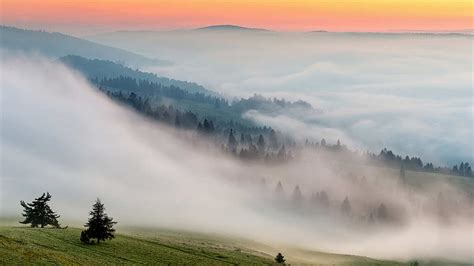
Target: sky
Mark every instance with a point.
(84, 17)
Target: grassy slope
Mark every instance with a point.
(28, 245)
(61, 246)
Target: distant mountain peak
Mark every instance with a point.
(228, 27)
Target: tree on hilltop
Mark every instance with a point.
(99, 226)
(280, 259)
(38, 212)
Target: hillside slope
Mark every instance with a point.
(96, 68)
(54, 44)
(153, 246)
(53, 246)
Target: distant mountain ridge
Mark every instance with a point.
(228, 27)
(54, 44)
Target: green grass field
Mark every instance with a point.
(20, 245)
(23, 245)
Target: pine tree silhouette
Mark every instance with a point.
(232, 143)
(38, 213)
(346, 206)
(100, 225)
(280, 258)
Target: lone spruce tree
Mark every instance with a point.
(280, 259)
(38, 212)
(99, 226)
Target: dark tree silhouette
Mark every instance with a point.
(38, 212)
(100, 225)
(85, 237)
(280, 259)
(273, 140)
(323, 143)
(232, 142)
(282, 153)
(297, 197)
(346, 206)
(324, 199)
(261, 144)
(279, 189)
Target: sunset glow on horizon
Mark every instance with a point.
(286, 15)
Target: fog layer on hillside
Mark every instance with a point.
(60, 135)
(409, 92)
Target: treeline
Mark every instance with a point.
(321, 203)
(190, 106)
(264, 143)
(464, 169)
(352, 208)
(179, 118)
(156, 91)
(251, 143)
(388, 158)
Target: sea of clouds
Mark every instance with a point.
(411, 93)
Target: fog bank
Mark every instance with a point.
(411, 93)
(60, 135)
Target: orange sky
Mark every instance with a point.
(293, 15)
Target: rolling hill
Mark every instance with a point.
(53, 44)
(96, 68)
(228, 28)
(163, 247)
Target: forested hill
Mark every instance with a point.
(170, 101)
(182, 95)
(54, 45)
(100, 69)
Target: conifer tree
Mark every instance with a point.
(279, 188)
(38, 212)
(232, 143)
(177, 121)
(346, 206)
(297, 196)
(273, 140)
(100, 225)
(323, 143)
(324, 198)
(280, 259)
(261, 144)
(279, 192)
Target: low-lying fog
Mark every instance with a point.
(410, 93)
(60, 135)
